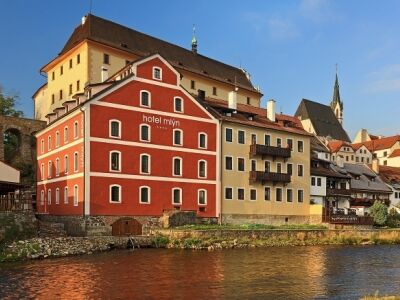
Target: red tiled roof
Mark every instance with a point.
(380, 144)
(395, 153)
(335, 146)
(389, 174)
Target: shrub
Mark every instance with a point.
(160, 241)
(379, 212)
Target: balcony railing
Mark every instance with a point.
(15, 203)
(347, 219)
(259, 176)
(338, 192)
(263, 150)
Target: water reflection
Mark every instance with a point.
(268, 273)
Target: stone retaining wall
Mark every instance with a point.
(17, 225)
(238, 219)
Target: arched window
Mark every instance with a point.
(177, 166)
(76, 162)
(177, 137)
(42, 197)
(65, 134)
(157, 73)
(57, 166)
(75, 195)
(42, 171)
(115, 193)
(176, 196)
(76, 130)
(145, 134)
(144, 195)
(66, 195)
(145, 98)
(178, 104)
(66, 164)
(202, 140)
(115, 129)
(49, 169)
(49, 197)
(57, 139)
(202, 197)
(57, 196)
(202, 169)
(144, 164)
(49, 143)
(42, 146)
(115, 161)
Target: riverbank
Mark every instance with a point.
(207, 238)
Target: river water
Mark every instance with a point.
(312, 272)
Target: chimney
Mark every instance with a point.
(83, 20)
(375, 165)
(104, 74)
(232, 100)
(271, 110)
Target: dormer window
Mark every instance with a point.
(157, 73)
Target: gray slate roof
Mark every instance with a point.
(323, 119)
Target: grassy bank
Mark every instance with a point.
(249, 227)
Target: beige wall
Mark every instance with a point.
(308, 126)
(363, 155)
(346, 152)
(237, 179)
(41, 103)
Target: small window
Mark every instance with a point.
(192, 84)
(145, 98)
(115, 162)
(178, 137)
(202, 173)
(300, 170)
(66, 164)
(253, 165)
(66, 195)
(267, 140)
(61, 70)
(278, 194)
(65, 135)
(49, 169)
(53, 76)
(202, 140)
(289, 169)
(240, 194)
(57, 196)
(248, 101)
(279, 142)
(240, 162)
(267, 166)
(228, 135)
(78, 85)
(49, 197)
(176, 196)
(319, 183)
(254, 138)
(253, 194)
(76, 162)
(313, 181)
(267, 193)
(57, 166)
(78, 59)
(76, 130)
(70, 63)
(214, 91)
(106, 59)
(144, 164)
(115, 129)
(48, 143)
(76, 195)
(115, 193)
(42, 146)
(178, 104)
(177, 166)
(53, 98)
(61, 94)
(289, 195)
(228, 193)
(202, 197)
(289, 143)
(144, 194)
(241, 137)
(42, 197)
(300, 146)
(57, 139)
(278, 167)
(70, 90)
(228, 163)
(300, 196)
(157, 73)
(144, 133)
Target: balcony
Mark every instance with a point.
(347, 219)
(258, 176)
(257, 149)
(338, 192)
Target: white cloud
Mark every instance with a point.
(282, 29)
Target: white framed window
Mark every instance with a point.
(115, 193)
(76, 162)
(144, 195)
(145, 98)
(145, 133)
(202, 140)
(202, 197)
(57, 196)
(289, 195)
(76, 130)
(114, 128)
(49, 169)
(66, 134)
(253, 194)
(42, 197)
(300, 170)
(76, 195)
(228, 163)
(145, 163)
(279, 194)
(49, 143)
(300, 146)
(42, 146)
(202, 169)
(157, 73)
(228, 195)
(279, 142)
(177, 166)
(228, 135)
(49, 196)
(300, 196)
(178, 104)
(267, 193)
(42, 171)
(240, 193)
(115, 161)
(57, 167)
(176, 196)
(57, 139)
(241, 137)
(66, 164)
(240, 164)
(177, 137)
(66, 195)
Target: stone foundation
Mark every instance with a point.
(238, 219)
(17, 225)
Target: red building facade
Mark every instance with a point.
(140, 146)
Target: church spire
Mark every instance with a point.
(194, 41)
(336, 103)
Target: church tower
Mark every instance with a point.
(336, 103)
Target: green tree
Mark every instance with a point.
(7, 105)
(379, 212)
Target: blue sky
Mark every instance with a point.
(289, 47)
